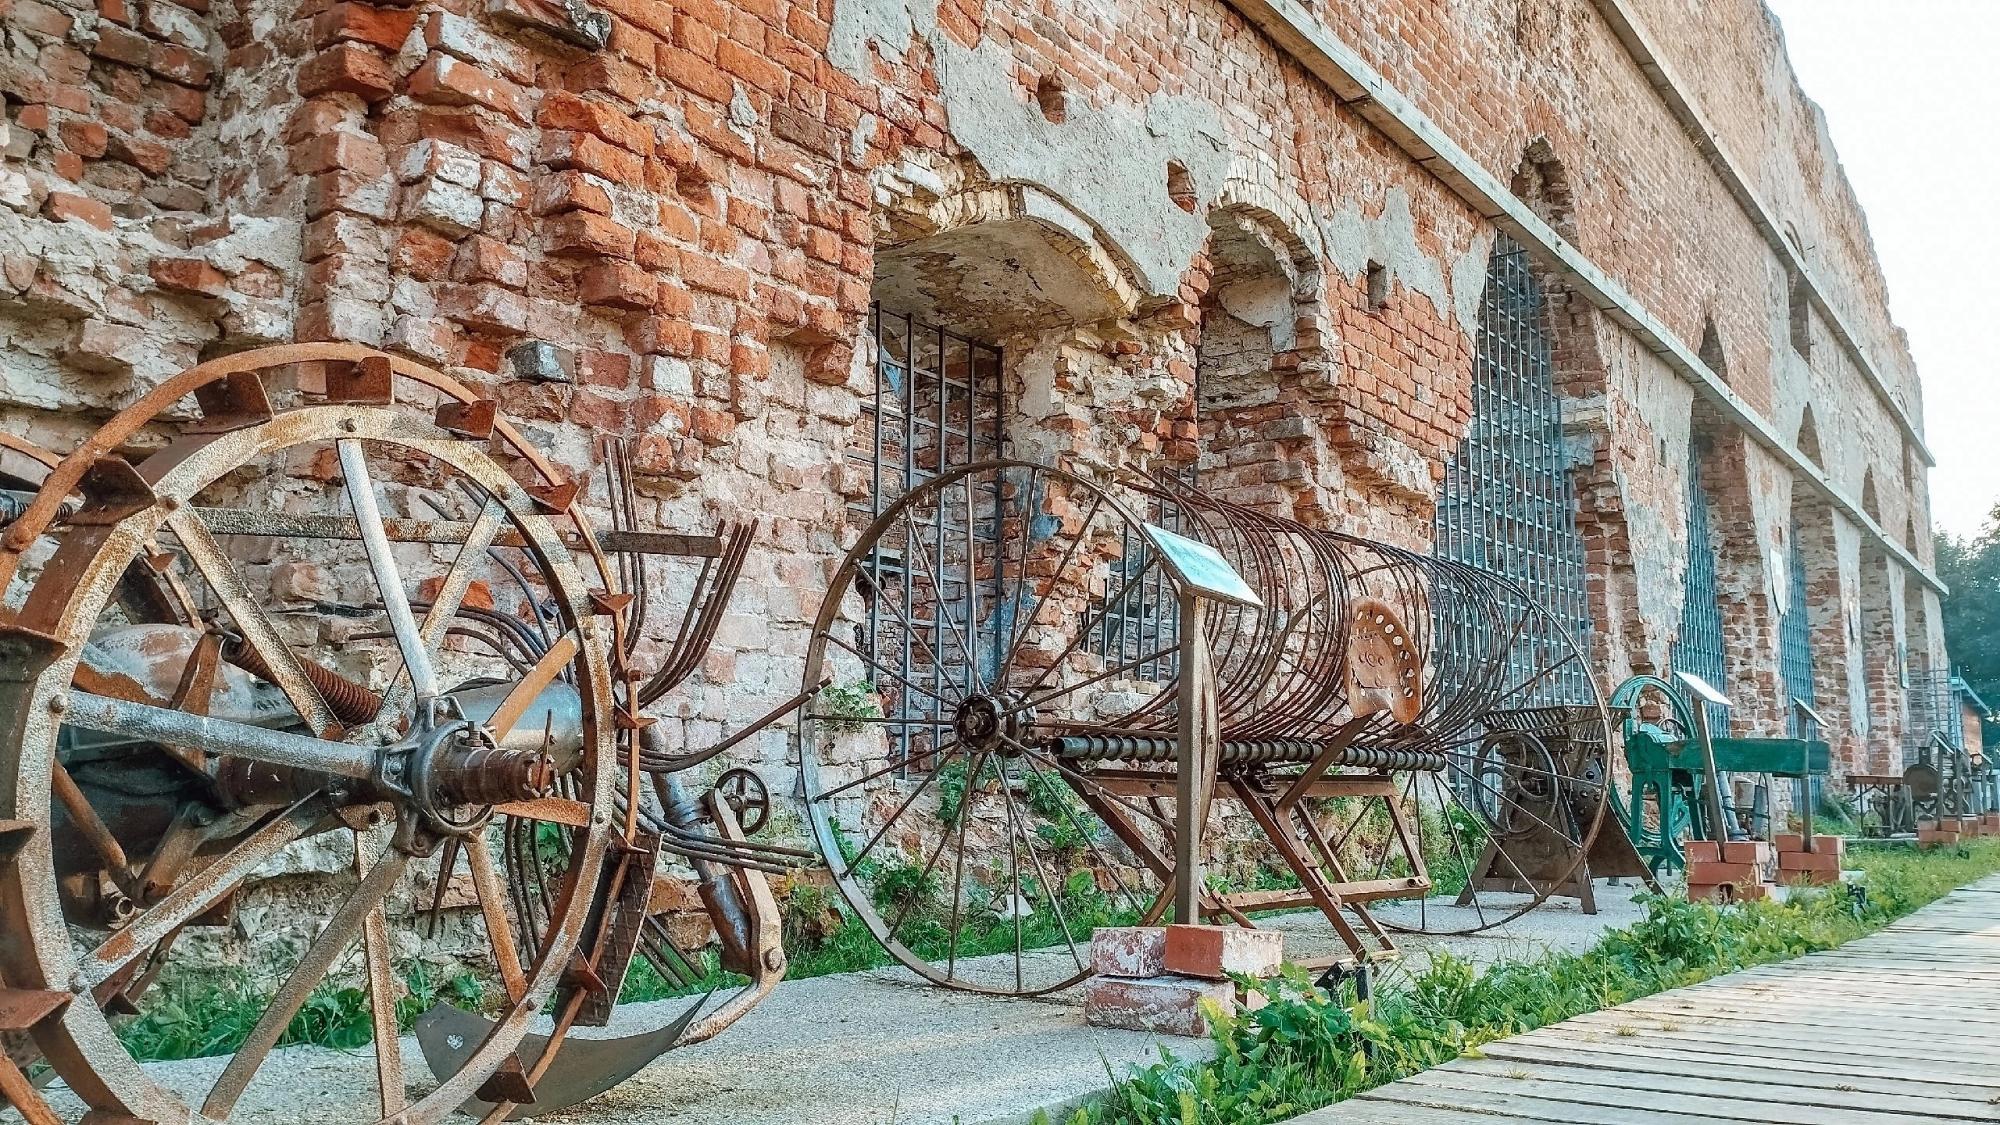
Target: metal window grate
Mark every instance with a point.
(1795, 661)
(1507, 504)
(1698, 646)
(1145, 619)
(936, 405)
(1931, 707)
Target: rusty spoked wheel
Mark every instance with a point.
(977, 618)
(394, 665)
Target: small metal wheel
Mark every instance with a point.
(425, 687)
(1659, 816)
(979, 613)
(748, 798)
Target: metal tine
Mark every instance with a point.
(706, 607)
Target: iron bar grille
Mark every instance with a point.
(1507, 504)
(1137, 619)
(1795, 660)
(1698, 646)
(936, 405)
(1931, 708)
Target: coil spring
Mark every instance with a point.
(351, 703)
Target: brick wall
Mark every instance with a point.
(689, 207)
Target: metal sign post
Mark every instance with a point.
(1813, 725)
(1717, 829)
(1200, 574)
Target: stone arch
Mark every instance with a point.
(1879, 626)
(1817, 594)
(1710, 351)
(1015, 267)
(1871, 501)
(1001, 258)
(1807, 439)
(1719, 459)
(1260, 364)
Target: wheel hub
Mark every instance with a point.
(996, 724)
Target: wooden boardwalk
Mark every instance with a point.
(1901, 1026)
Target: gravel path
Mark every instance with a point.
(875, 1048)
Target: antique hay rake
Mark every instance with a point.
(1388, 723)
(343, 602)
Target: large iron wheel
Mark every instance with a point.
(981, 612)
(454, 752)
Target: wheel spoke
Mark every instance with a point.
(891, 672)
(1518, 806)
(197, 894)
(1016, 823)
(382, 561)
(1109, 868)
(892, 818)
(529, 688)
(872, 775)
(931, 569)
(958, 867)
(909, 630)
(1090, 623)
(383, 990)
(465, 566)
(1108, 673)
(492, 894)
(1019, 634)
(257, 628)
(312, 968)
(931, 865)
(1445, 804)
(1521, 688)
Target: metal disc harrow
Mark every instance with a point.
(994, 773)
(318, 594)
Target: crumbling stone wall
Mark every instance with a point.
(668, 222)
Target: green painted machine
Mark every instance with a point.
(1667, 798)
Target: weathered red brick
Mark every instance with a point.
(347, 69)
(1128, 951)
(189, 275)
(348, 152)
(589, 153)
(582, 234)
(444, 80)
(617, 284)
(1160, 1006)
(1218, 951)
(570, 191)
(386, 28)
(562, 110)
(64, 206)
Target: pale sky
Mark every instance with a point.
(1912, 98)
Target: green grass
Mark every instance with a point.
(209, 1012)
(1306, 1049)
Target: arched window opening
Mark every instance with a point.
(1698, 647)
(1507, 504)
(1795, 651)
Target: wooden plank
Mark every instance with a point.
(1651, 1057)
(1653, 1100)
(1851, 1040)
(1905, 1009)
(1750, 1083)
(1984, 1067)
(1880, 1032)
(1524, 1102)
